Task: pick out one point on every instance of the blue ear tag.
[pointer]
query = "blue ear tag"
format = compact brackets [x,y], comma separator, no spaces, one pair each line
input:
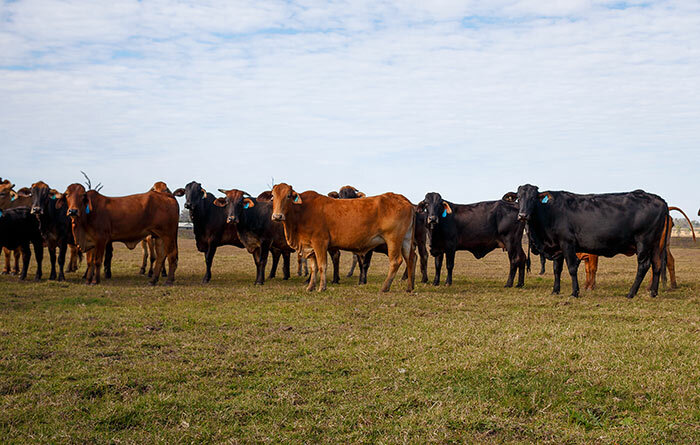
[12,199]
[296,199]
[545,200]
[53,196]
[0,212]
[87,209]
[444,213]
[247,204]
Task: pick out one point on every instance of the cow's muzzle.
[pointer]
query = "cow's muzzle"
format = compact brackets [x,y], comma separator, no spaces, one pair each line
[277,217]
[522,217]
[231,220]
[432,220]
[36,210]
[72,212]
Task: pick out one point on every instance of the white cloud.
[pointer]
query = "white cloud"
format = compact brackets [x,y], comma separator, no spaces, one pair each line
[383,95]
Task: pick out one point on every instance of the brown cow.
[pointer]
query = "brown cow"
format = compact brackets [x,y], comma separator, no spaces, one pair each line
[315,223]
[98,220]
[148,245]
[591,261]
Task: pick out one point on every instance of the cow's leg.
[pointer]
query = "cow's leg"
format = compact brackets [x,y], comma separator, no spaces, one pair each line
[62,249]
[513,263]
[321,252]
[163,272]
[543,261]
[394,253]
[108,254]
[264,252]
[364,266]
[144,261]
[73,262]
[450,263]
[557,267]
[409,256]
[438,268]
[355,260]
[521,261]
[99,254]
[87,276]
[17,253]
[671,266]
[286,258]
[51,247]
[275,261]
[8,261]
[591,271]
[314,271]
[300,260]
[423,253]
[38,257]
[172,253]
[208,260]
[26,256]
[335,259]
[656,271]
[153,255]
[572,263]
[643,264]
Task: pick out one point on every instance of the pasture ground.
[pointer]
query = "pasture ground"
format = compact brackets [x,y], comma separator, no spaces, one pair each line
[233,363]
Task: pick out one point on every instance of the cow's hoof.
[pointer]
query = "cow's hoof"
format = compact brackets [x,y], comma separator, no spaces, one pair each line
[151,283]
[555,292]
[508,285]
[519,285]
[61,278]
[142,271]
[169,283]
[4,272]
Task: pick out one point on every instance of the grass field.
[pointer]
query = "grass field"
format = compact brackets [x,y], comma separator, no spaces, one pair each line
[232,363]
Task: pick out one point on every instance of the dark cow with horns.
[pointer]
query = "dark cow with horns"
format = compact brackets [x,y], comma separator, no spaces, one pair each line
[209,223]
[256,229]
[315,223]
[563,223]
[479,228]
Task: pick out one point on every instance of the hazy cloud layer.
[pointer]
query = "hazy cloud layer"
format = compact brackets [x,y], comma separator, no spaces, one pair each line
[467,98]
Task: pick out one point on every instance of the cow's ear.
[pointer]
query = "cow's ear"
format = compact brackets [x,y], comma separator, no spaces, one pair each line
[179,192]
[205,194]
[220,202]
[510,197]
[248,203]
[221,190]
[334,194]
[24,193]
[545,197]
[361,195]
[60,200]
[54,194]
[297,198]
[447,207]
[421,206]
[88,203]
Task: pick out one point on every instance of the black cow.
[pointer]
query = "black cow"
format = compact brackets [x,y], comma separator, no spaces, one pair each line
[49,207]
[209,223]
[478,228]
[562,223]
[18,229]
[256,229]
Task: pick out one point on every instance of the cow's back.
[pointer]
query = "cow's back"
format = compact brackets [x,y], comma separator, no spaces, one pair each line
[135,216]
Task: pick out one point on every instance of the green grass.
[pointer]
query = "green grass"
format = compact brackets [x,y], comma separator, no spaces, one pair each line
[234,363]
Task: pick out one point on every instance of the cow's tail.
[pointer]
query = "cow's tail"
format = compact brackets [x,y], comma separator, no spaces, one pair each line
[665,240]
[686,218]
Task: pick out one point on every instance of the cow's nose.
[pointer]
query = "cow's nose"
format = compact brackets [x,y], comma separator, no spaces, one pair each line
[231,219]
[277,217]
[432,219]
[522,217]
[72,212]
[36,210]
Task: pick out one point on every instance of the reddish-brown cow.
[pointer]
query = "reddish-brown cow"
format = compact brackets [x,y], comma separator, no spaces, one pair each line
[98,220]
[314,223]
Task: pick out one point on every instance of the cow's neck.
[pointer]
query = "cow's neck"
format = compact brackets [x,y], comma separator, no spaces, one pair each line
[291,223]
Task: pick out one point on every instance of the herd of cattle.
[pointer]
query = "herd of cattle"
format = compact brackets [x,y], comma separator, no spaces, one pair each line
[560,226]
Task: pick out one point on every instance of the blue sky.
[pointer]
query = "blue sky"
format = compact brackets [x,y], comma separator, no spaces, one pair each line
[470,99]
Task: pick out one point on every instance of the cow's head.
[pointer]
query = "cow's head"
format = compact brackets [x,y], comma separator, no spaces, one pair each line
[41,196]
[283,196]
[161,187]
[435,208]
[235,202]
[333,195]
[78,201]
[194,195]
[350,192]
[265,196]
[527,197]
